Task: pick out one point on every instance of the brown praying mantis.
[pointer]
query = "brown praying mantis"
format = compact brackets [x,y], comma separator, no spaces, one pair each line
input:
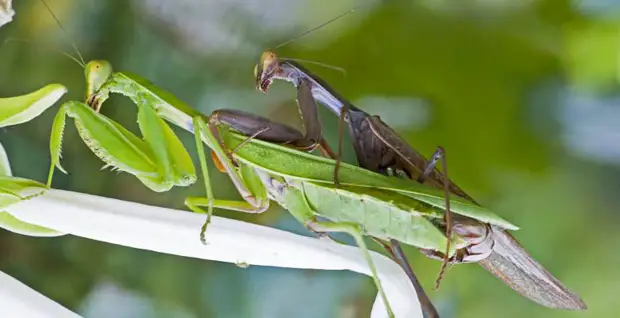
[379,148]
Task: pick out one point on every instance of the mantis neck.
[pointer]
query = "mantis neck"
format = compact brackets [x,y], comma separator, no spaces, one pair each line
[293,72]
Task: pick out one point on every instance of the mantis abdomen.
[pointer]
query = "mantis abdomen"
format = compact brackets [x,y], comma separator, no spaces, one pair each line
[381,214]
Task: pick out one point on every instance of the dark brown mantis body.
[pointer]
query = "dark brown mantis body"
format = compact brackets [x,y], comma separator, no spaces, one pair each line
[380,149]
[264,129]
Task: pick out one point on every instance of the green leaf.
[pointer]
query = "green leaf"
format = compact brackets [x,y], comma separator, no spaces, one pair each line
[20,109]
[5,166]
[15,225]
[20,188]
[14,190]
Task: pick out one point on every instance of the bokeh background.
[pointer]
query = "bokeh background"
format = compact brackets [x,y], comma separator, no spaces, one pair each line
[523,95]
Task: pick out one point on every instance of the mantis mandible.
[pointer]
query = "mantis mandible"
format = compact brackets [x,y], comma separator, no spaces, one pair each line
[379,148]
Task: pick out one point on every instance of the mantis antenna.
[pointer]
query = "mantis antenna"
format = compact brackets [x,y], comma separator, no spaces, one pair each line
[317,27]
[83,63]
[338,17]
[328,66]
[47,46]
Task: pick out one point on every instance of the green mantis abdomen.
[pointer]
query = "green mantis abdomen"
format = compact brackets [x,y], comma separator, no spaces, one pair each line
[381,214]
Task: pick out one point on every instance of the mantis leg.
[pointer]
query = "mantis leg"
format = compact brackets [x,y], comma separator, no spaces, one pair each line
[400,155]
[267,130]
[379,148]
[396,252]
[312,124]
[264,129]
[159,160]
[399,255]
[326,151]
[310,117]
[250,125]
[354,231]
[254,195]
[253,126]
[255,199]
[430,167]
[341,120]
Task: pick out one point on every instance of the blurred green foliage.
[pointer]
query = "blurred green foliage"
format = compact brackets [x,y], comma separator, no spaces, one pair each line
[494,75]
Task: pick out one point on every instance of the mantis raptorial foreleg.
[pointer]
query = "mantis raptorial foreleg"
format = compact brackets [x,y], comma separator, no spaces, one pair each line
[309,113]
[160,161]
[355,232]
[255,199]
[249,124]
[254,194]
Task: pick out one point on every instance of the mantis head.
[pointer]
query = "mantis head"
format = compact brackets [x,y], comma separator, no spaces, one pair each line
[264,71]
[96,72]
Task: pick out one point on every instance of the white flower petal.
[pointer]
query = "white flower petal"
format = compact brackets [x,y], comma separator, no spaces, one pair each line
[177,232]
[19,300]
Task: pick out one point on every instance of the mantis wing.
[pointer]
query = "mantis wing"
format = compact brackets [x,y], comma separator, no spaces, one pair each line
[286,162]
[527,277]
